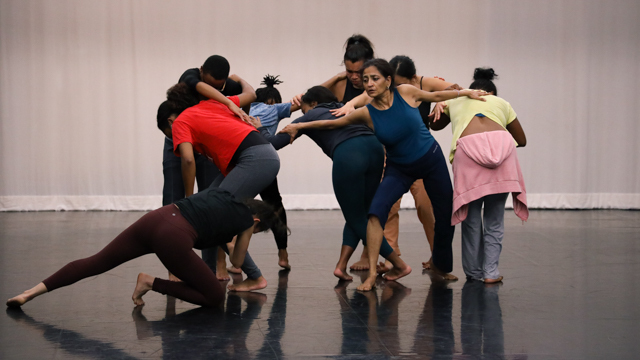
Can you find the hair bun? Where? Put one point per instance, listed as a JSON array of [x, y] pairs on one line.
[[484, 74], [270, 80]]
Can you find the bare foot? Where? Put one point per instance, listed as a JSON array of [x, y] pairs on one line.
[[342, 274], [249, 284], [493, 281], [19, 300], [362, 264], [144, 284], [234, 270], [222, 275], [368, 284], [427, 265], [397, 273], [383, 267], [445, 276], [283, 259]]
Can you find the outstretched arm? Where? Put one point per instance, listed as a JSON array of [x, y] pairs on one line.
[[414, 94], [360, 116], [355, 103], [278, 141], [188, 164]]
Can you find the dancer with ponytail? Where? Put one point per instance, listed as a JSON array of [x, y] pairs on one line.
[[485, 170], [412, 153]]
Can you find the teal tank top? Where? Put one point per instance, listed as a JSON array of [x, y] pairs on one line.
[[401, 130]]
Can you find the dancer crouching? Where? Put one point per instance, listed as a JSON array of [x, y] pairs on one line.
[[209, 218]]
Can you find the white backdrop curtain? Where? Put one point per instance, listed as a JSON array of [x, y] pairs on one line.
[[80, 82]]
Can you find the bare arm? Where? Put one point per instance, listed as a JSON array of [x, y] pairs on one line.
[[436, 84], [248, 95], [413, 95], [355, 103], [241, 247], [515, 129], [188, 164], [360, 116], [212, 93]]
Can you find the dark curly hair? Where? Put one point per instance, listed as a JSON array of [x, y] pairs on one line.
[[483, 80], [269, 91], [180, 97]]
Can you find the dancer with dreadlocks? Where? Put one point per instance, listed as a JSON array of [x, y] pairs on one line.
[[270, 109]]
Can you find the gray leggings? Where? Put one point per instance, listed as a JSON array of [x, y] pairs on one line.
[[256, 169], [482, 237]]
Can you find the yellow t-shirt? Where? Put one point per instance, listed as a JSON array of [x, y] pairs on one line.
[[461, 110]]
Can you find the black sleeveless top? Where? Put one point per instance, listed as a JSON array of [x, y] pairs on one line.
[[350, 92]]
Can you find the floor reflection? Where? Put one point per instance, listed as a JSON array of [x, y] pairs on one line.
[[72, 342]]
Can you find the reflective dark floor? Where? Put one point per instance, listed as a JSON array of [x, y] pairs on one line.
[[571, 291]]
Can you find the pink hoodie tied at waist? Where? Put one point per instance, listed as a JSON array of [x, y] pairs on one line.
[[485, 164]]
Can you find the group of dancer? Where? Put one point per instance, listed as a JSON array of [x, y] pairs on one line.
[[373, 121]]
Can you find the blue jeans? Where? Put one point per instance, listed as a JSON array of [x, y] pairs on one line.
[[432, 169]]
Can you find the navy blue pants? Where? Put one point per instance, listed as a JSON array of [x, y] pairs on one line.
[[357, 169], [432, 169]]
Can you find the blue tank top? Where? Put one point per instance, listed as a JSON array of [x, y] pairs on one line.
[[401, 130]]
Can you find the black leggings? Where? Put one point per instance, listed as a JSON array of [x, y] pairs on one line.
[[271, 196], [167, 234]]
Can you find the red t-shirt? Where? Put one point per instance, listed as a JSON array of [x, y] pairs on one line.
[[213, 130]]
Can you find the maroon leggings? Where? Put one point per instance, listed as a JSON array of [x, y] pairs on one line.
[[167, 234]]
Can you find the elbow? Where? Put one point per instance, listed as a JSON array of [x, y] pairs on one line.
[[188, 160], [522, 143], [252, 96]]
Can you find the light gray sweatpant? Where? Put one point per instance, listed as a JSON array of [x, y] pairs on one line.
[[482, 237]]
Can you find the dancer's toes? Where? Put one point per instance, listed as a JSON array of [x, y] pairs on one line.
[[493, 281], [249, 284], [283, 259], [397, 273], [342, 274], [368, 284], [222, 275], [445, 276], [362, 264], [383, 267], [143, 285], [426, 265]]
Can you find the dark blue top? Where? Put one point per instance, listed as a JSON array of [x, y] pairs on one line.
[[401, 130], [328, 140]]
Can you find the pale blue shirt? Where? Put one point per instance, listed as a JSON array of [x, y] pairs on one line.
[[270, 115]]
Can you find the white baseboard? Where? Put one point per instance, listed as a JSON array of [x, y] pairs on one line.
[[299, 202]]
